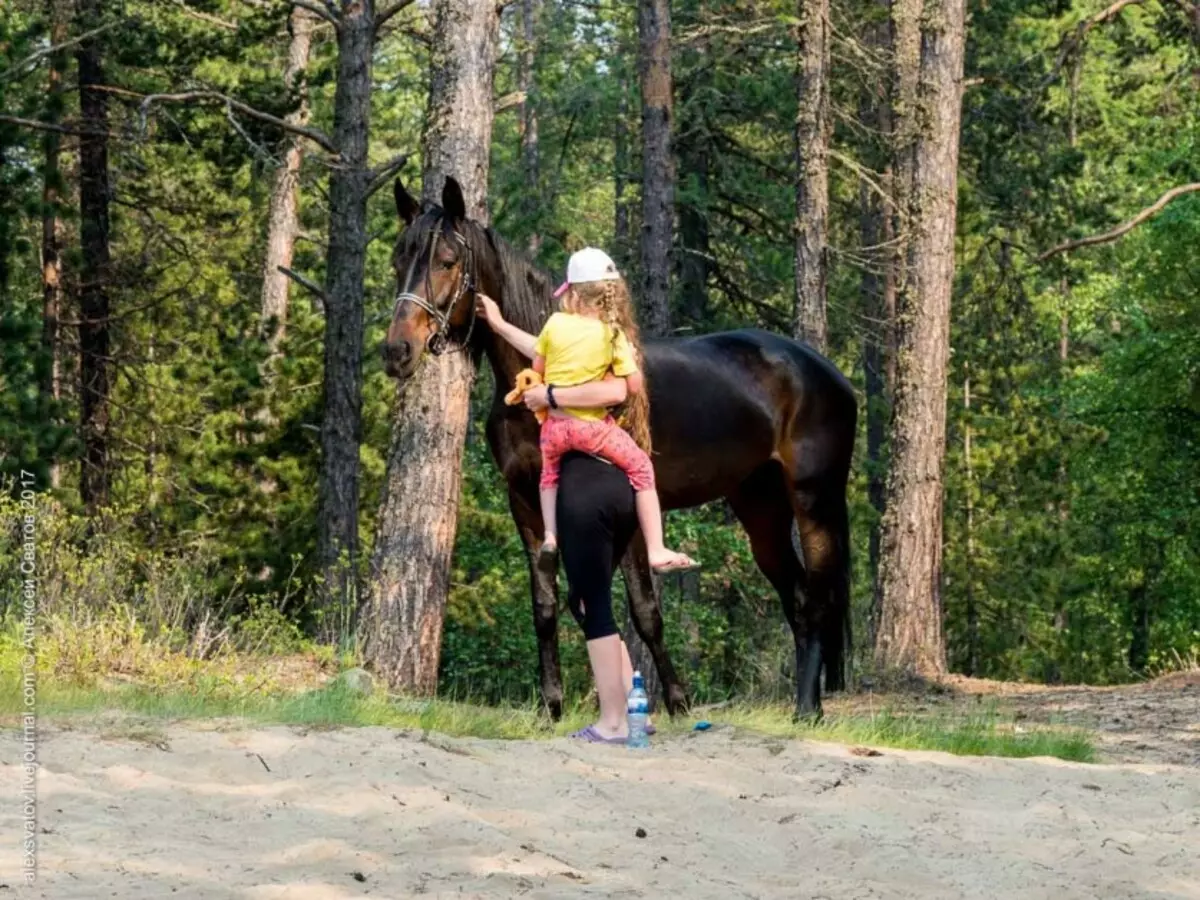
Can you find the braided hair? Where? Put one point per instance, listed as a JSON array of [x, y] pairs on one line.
[[610, 300]]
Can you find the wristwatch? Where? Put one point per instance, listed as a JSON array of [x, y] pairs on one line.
[[550, 396]]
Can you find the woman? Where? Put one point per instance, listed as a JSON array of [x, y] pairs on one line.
[[597, 518]]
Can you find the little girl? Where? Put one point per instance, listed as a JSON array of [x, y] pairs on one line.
[[596, 333]]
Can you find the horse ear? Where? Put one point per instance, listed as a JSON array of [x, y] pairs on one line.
[[453, 203], [406, 204]]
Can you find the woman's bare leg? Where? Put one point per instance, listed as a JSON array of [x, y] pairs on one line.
[[609, 658]]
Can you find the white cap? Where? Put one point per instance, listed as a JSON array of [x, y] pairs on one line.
[[588, 264]]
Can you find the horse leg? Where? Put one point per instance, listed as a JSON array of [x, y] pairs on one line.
[[821, 524], [762, 506], [544, 588], [646, 610]]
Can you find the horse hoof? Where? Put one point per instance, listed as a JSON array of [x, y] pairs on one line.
[[677, 700]]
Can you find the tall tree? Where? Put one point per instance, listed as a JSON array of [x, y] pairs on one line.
[[694, 143], [812, 170], [410, 568], [283, 223], [910, 632], [658, 171], [526, 83], [95, 362], [878, 284], [52, 185]]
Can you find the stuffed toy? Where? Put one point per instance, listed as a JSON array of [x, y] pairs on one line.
[[526, 379]]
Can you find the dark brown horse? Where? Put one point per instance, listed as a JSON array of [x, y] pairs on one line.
[[760, 420]]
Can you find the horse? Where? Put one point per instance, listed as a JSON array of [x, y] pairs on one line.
[[761, 420]]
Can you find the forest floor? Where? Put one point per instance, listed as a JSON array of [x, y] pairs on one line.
[[132, 807]]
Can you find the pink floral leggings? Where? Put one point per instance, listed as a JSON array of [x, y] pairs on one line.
[[598, 437]]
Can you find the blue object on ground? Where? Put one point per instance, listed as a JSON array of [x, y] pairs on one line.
[[702, 725]]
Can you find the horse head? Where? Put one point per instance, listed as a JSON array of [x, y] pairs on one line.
[[436, 276]]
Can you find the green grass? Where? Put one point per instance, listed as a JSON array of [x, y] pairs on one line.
[[982, 733], [987, 733]]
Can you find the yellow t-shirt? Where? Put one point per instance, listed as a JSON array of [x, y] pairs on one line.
[[580, 349]]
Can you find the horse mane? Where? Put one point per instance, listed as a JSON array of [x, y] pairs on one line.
[[527, 301]]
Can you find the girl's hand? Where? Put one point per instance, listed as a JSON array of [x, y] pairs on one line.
[[485, 306], [535, 398]]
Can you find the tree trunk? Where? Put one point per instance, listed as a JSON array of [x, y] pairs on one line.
[[52, 288], [622, 250], [658, 176], [695, 151], [282, 220], [341, 429], [812, 170], [410, 566], [878, 299], [910, 633], [972, 666], [95, 364], [529, 122]]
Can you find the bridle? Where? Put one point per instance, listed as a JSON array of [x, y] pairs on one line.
[[439, 341]]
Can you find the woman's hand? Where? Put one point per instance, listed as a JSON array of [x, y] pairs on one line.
[[485, 306], [535, 398]]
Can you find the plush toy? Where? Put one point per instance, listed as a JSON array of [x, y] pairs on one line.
[[526, 379]]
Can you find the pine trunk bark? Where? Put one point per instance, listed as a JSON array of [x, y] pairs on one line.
[[695, 151], [283, 224], [658, 171], [52, 286], [910, 635], [410, 566], [812, 171], [341, 429], [95, 362], [878, 298], [526, 82], [622, 246]]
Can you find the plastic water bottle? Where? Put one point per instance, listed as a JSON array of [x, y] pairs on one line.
[[637, 709]]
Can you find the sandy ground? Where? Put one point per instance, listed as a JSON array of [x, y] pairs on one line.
[[196, 811]]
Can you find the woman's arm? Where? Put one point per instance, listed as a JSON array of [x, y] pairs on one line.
[[522, 341], [612, 391]]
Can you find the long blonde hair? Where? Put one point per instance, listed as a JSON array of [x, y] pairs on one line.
[[610, 301]]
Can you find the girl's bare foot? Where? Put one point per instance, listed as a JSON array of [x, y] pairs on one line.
[[665, 560]]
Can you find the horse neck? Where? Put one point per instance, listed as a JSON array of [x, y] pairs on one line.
[[529, 313]]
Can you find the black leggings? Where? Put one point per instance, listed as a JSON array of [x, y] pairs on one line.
[[596, 520]]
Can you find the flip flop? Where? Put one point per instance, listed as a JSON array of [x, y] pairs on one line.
[[650, 729], [592, 736]]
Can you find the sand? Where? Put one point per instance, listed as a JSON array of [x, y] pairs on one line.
[[228, 812]]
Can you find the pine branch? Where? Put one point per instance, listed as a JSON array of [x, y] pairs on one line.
[[508, 101], [38, 125], [14, 71], [383, 18], [323, 11], [205, 17], [380, 175], [1121, 230], [315, 135], [312, 287], [1074, 40]]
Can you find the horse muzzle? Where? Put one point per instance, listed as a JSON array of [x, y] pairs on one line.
[[399, 361]]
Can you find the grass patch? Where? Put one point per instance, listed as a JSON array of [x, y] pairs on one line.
[[982, 733]]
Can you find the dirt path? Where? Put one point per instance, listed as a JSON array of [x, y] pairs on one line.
[[281, 813]]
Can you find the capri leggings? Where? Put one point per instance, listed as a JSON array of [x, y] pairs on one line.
[[597, 518]]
